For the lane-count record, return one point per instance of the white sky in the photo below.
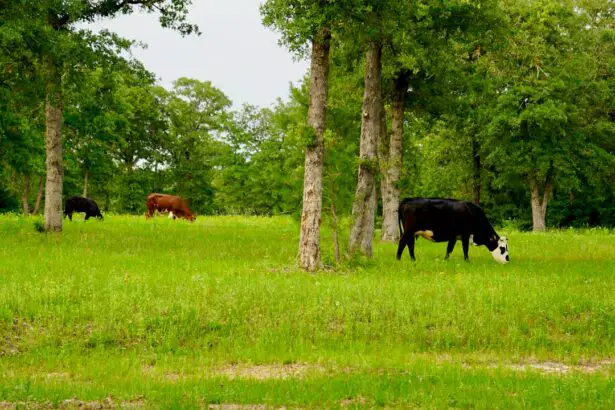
(235, 51)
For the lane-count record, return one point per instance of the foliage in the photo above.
(528, 83)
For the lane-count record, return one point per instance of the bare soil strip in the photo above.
(297, 371)
(269, 371)
(550, 367)
(72, 404)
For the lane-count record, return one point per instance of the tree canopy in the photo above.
(507, 103)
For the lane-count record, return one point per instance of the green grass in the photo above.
(152, 310)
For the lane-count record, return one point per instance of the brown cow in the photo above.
(175, 205)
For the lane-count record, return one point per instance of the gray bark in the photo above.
(309, 243)
(55, 171)
(336, 242)
(25, 195)
(364, 204)
(393, 162)
(540, 201)
(39, 195)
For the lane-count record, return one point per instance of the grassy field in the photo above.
(159, 314)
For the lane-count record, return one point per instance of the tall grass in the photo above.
(105, 298)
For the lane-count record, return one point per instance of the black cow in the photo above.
(80, 204)
(446, 220)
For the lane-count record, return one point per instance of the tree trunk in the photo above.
(53, 146)
(539, 202)
(476, 170)
(14, 185)
(383, 162)
(39, 195)
(25, 194)
(364, 204)
(309, 243)
(85, 183)
(336, 241)
(393, 162)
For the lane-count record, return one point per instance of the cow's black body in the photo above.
(80, 204)
(444, 220)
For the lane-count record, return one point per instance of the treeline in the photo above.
(509, 104)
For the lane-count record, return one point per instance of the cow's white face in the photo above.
(500, 253)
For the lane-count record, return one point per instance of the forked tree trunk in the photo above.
(39, 195)
(25, 195)
(476, 170)
(393, 162)
(85, 183)
(53, 146)
(309, 243)
(364, 204)
(540, 201)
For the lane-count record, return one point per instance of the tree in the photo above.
(301, 22)
(21, 120)
(364, 205)
(374, 25)
(391, 157)
(199, 117)
(551, 99)
(89, 119)
(47, 29)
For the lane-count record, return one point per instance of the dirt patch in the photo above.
(71, 404)
(354, 401)
(551, 367)
(269, 371)
(561, 368)
(243, 407)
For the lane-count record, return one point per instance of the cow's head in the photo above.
(499, 249)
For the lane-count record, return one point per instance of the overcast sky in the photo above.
(235, 52)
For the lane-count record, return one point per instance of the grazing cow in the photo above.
(446, 220)
(174, 205)
(80, 204)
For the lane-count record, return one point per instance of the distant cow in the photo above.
(174, 205)
(80, 204)
(446, 220)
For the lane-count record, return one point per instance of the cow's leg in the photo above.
(401, 246)
(70, 216)
(411, 242)
(87, 216)
(465, 242)
(450, 247)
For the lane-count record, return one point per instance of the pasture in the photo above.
(157, 314)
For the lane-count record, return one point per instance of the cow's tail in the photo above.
(401, 232)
